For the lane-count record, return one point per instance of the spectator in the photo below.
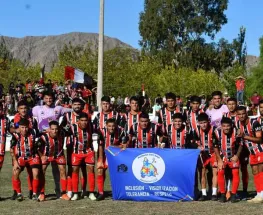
(255, 99)
(86, 94)
(240, 86)
(119, 101)
(127, 101)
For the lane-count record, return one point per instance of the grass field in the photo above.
(85, 206)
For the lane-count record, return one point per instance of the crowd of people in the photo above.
(228, 139)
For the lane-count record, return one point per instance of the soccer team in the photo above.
(227, 138)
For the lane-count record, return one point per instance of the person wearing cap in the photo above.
(106, 113)
(240, 86)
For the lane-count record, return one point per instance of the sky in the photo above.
(19, 18)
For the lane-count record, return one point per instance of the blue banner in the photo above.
(152, 174)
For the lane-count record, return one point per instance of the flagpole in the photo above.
(100, 55)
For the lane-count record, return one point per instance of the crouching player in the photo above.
(50, 150)
(227, 149)
(81, 134)
(111, 135)
(203, 136)
(24, 154)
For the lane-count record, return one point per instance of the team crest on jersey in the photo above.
(148, 168)
(42, 113)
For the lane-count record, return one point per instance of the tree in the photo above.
(240, 47)
(168, 27)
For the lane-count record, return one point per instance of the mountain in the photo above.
(45, 49)
(252, 61)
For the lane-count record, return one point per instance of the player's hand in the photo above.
(220, 164)
(240, 134)
(44, 159)
(18, 130)
(100, 165)
(201, 148)
(234, 158)
(124, 146)
(16, 166)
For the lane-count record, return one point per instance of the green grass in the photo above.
(85, 206)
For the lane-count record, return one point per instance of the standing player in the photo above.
(69, 119)
(193, 112)
(111, 135)
(14, 127)
(144, 133)
(167, 112)
(232, 107)
(178, 134)
(132, 116)
(251, 133)
(81, 134)
(106, 113)
(4, 128)
(216, 113)
(227, 150)
(51, 150)
(24, 153)
(44, 114)
(204, 135)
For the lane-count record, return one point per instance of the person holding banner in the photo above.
(179, 135)
(203, 136)
(111, 135)
(81, 135)
(251, 133)
(132, 116)
(106, 113)
(227, 150)
(144, 133)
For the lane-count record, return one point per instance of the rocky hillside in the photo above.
(45, 49)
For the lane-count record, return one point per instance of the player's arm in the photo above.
(189, 140)
(236, 157)
(258, 134)
(162, 137)
(12, 153)
(100, 151)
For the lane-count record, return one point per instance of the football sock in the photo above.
(257, 182)
(69, 184)
(221, 181)
(35, 185)
(75, 182)
(100, 183)
(29, 178)
(63, 184)
(42, 183)
(245, 177)
(228, 185)
(214, 191)
(204, 192)
(91, 180)
(17, 185)
(236, 180)
(84, 183)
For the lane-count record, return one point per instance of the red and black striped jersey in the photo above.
(227, 143)
(178, 139)
(17, 118)
(101, 118)
(128, 120)
(192, 118)
(145, 138)
(205, 138)
(260, 120)
(250, 129)
(165, 117)
(234, 118)
(106, 139)
(82, 139)
(4, 128)
(52, 147)
(24, 146)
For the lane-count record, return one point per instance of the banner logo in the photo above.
(148, 168)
